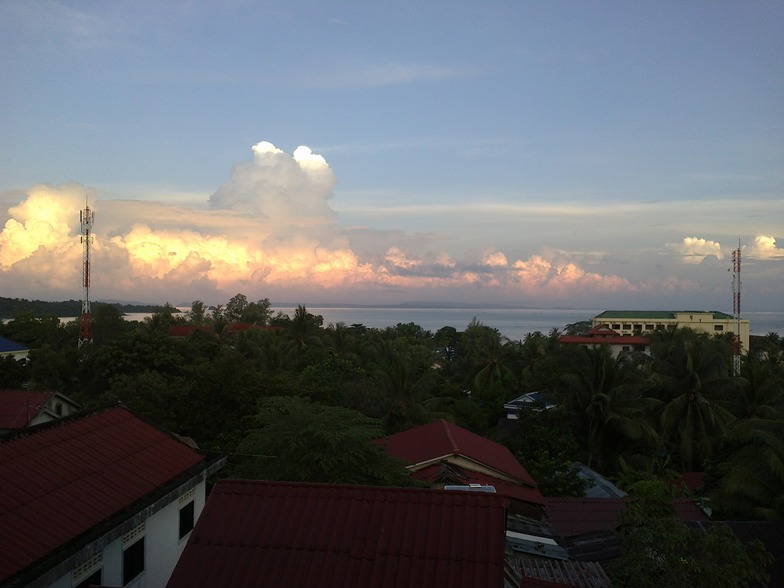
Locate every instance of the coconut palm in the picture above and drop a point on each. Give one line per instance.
(752, 485)
(605, 397)
(691, 375)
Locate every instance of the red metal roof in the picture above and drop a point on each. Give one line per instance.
(517, 491)
(19, 407)
(62, 479)
(431, 442)
(254, 533)
(575, 516)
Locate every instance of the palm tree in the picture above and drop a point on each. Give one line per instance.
(605, 397)
(407, 373)
(690, 374)
(752, 485)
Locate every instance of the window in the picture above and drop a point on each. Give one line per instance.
(93, 579)
(718, 327)
(649, 327)
(627, 327)
(133, 561)
(186, 519)
(616, 326)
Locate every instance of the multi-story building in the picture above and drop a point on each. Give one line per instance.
(100, 498)
(639, 322)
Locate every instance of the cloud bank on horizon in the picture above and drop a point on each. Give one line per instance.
(270, 231)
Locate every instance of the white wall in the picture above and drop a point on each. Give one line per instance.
(162, 548)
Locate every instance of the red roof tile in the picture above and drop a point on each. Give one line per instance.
(64, 478)
(19, 407)
(254, 533)
(434, 441)
(575, 516)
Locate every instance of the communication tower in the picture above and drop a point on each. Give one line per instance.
(736, 346)
(86, 217)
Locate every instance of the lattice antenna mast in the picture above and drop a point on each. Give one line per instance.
(736, 347)
(86, 217)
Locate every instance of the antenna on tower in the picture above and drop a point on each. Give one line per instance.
(86, 217)
(736, 342)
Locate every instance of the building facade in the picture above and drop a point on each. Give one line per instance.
(640, 322)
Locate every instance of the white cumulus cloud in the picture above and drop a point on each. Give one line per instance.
(694, 250)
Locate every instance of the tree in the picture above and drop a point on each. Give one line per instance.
(604, 397)
(236, 307)
(751, 477)
(14, 373)
(691, 376)
(543, 442)
(297, 440)
(659, 550)
(198, 313)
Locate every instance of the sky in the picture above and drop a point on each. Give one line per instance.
(543, 154)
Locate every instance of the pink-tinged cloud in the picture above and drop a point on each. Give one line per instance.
(269, 230)
(564, 279)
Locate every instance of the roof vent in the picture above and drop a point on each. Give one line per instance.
(471, 488)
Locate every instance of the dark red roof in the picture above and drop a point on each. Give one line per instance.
(19, 407)
(434, 441)
(62, 479)
(575, 516)
(517, 491)
(254, 533)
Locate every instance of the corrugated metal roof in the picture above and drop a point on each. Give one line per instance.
(554, 573)
(575, 516)
(516, 491)
(19, 407)
(61, 479)
(442, 438)
(254, 533)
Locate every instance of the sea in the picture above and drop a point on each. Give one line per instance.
(512, 323)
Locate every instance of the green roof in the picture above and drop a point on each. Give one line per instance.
(657, 314)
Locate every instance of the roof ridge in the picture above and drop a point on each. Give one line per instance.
(450, 438)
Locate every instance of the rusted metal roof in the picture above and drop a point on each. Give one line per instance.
(62, 479)
(254, 533)
(431, 442)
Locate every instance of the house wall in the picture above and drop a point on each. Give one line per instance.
(701, 322)
(163, 546)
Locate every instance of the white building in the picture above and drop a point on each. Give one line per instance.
(98, 499)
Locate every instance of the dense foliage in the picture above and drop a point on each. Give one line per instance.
(632, 417)
(660, 550)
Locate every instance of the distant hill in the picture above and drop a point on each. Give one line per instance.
(11, 307)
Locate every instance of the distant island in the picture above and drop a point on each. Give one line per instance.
(12, 307)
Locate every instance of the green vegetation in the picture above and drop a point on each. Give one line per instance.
(631, 417)
(659, 550)
(11, 307)
(287, 397)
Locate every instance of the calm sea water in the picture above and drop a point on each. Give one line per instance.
(512, 323)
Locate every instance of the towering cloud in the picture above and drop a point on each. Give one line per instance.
(280, 188)
(269, 230)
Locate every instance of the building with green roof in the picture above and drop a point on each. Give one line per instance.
(639, 322)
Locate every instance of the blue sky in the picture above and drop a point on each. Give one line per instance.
(581, 154)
